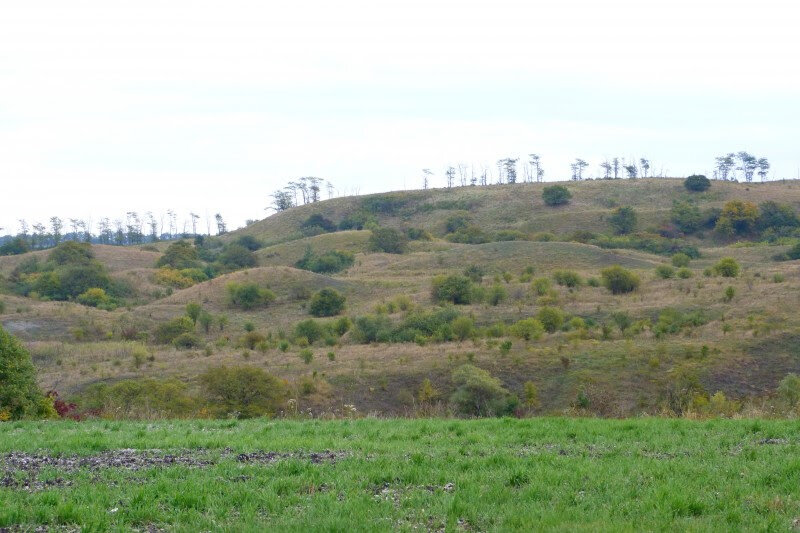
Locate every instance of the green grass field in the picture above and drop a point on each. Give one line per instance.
(386, 475)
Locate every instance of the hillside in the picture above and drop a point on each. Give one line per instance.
(611, 354)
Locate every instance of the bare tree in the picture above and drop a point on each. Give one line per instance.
(450, 176)
(426, 178)
(538, 172)
(606, 167)
(616, 166)
(577, 169)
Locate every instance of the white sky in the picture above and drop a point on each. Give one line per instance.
(108, 106)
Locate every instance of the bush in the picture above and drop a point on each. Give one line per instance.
(327, 263)
(623, 220)
(309, 329)
(387, 240)
(307, 356)
(71, 253)
(179, 255)
(556, 195)
(327, 302)
(737, 218)
(478, 393)
(15, 246)
(249, 295)
(776, 216)
(528, 329)
(186, 340)
(20, 397)
(497, 294)
(551, 318)
(619, 280)
(456, 222)
(455, 289)
(470, 235)
(249, 242)
(686, 216)
(789, 389)
(541, 286)
(372, 328)
(95, 297)
(697, 183)
(475, 273)
(680, 260)
(140, 398)
(568, 278)
(179, 279)
(316, 224)
(463, 328)
(684, 273)
(665, 272)
(727, 267)
(168, 331)
(236, 256)
(243, 391)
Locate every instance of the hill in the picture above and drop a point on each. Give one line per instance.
(669, 345)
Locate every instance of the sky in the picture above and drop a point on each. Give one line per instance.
(109, 106)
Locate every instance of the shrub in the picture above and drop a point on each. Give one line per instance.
(556, 195)
(475, 273)
(697, 183)
(623, 220)
(205, 320)
(671, 321)
(236, 256)
(727, 267)
(387, 240)
(455, 289)
(619, 280)
(789, 389)
(470, 235)
(541, 286)
(15, 246)
(665, 272)
(249, 242)
(497, 294)
(680, 260)
(20, 397)
(140, 398)
(309, 329)
(478, 393)
(551, 318)
(372, 328)
(568, 278)
(243, 391)
(686, 216)
(251, 339)
(168, 331)
(249, 295)
(186, 340)
(71, 253)
(327, 302)
(737, 218)
(95, 297)
(794, 252)
(179, 255)
(730, 292)
(684, 273)
(622, 319)
(456, 222)
(463, 327)
(341, 325)
(307, 356)
(193, 310)
(2, 307)
(528, 329)
(418, 234)
(327, 263)
(179, 279)
(316, 224)
(776, 216)
(505, 347)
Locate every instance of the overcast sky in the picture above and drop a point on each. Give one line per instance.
(108, 106)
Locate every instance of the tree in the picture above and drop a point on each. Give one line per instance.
(236, 256)
(249, 295)
(737, 218)
(426, 178)
(606, 168)
(510, 168)
(632, 171)
(456, 289)
(20, 397)
(615, 164)
(556, 195)
(222, 228)
(327, 302)
(551, 318)
(538, 172)
(179, 255)
(577, 169)
(645, 164)
(56, 225)
(763, 168)
(697, 183)
(619, 280)
(450, 176)
(725, 164)
(282, 200)
(193, 310)
(623, 220)
(748, 165)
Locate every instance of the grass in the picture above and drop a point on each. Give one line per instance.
(388, 475)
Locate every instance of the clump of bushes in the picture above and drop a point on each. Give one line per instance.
(20, 396)
(140, 398)
(179, 255)
(327, 302)
(619, 280)
(326, 263)
(167, 332)
(551, 318)
(388, 240)
(179, 279)
(478, 393)
(727, 267)
(243, 392)
(554, 195)
(697, 183)
(680, 260)
(623, 220)
(568, 278)
(456, 289)
(665, 272)
(249, 295)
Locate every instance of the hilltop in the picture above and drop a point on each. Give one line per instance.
(610, 354)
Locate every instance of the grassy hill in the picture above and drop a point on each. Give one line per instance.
(741, 345)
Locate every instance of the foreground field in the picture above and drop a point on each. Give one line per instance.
(503, 474)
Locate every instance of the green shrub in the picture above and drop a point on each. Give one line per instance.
(306, 355)
(671, 321)
(528, 329)
(680, 260)
(727, 267)
(497, 294)
(2, 307)
(243, 391)
(505, 347)
(341, 325)
(71, 253)
(551, 318)
(179, 255)
(470, 235)
(236, 256)
(316, 224)
(684, 273)
(697, 183)
(167, 332)
(186, 340)
(463, 328)
(478, 393)
(309, 329)
(737, 218)
(20, 396)
(541, 286)
(730, 292)
(789, 389)
(327, 302)
(140, 398)
(568, 278)
(556, 195)
(455, 289)
(193, 310)
(372, 328)
(665, 272)
(249, 295)
(15, 246)
(95, 297)
(456, 222)
(249, 242)
(686, 216)
(326, 263)
(387, 240)
(251, 339)
(475, 273)
(619, 280)
(623, 220)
